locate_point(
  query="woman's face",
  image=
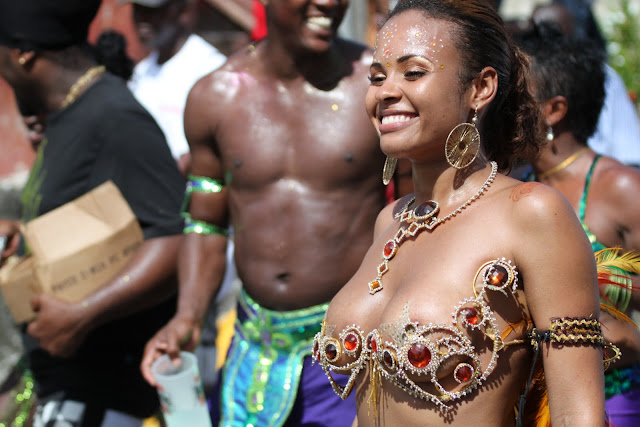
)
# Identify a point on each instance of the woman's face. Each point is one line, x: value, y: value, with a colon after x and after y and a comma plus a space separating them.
x: 414, y: 99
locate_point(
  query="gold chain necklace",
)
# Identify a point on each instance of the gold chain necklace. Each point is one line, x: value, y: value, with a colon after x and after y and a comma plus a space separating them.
x: 421, y: 217
x: 565, y: 163
x: 81, y: 83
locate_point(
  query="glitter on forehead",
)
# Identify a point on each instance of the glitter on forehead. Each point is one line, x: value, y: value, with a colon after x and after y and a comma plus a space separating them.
x: 417, y: 38
x: 385, y: 36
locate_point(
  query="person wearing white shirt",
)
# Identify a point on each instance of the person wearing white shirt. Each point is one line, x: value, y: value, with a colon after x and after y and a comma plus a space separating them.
x: 178, y: 58
x: 618, y: 132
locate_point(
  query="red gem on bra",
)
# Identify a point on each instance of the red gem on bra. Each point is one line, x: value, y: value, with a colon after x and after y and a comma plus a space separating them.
x: 331, y: 351
x: 351, y: 342
x: 498, y: 276
x: 371, y: 343
x: 470, y: 315
x: 419, y: 355
x: 463, y: 372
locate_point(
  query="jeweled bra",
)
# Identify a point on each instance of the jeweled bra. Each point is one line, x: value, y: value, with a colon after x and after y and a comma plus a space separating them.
x: 420, y: 350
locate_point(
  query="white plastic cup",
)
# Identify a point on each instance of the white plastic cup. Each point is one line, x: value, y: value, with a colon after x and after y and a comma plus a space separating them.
x: 181, y: 392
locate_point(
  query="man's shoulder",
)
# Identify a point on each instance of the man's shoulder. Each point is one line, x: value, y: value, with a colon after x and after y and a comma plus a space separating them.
x: 237, y: 65
x: 355, y: 52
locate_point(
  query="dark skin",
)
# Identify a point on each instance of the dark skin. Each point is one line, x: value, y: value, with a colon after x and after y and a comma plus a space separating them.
x: 41, y: 85
x: 611, y: 212
x: 412, y: 101
x: 285, y: 126
x: 164, y: 28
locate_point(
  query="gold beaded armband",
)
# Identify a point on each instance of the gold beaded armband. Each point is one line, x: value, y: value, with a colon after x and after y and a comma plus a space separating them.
x: 576, y: 331
x: 201, y: 184
x: 570, y: 330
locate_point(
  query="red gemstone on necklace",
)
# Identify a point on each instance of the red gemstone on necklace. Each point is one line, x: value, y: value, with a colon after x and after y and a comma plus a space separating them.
x: 463, y: 372
x: 419, y: 355
x: 331, y: 351
x: 470, y: 315
x: 315, y: 347
x: 350, y: 342
x: 498, y: 276
x: 372, y: 343
x: 389, y: 249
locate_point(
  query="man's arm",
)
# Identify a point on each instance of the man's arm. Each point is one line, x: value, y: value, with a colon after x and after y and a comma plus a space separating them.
x: 149, y: 278
x: 202, y: 258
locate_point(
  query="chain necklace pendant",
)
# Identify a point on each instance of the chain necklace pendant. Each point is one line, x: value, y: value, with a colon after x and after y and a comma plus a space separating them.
x: 419, y: 218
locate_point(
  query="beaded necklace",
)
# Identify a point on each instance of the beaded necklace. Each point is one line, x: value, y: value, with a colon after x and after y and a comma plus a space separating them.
x: 419, y: 218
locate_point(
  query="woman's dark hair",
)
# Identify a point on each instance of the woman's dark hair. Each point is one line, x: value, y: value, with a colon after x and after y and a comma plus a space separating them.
x: 585, y: 25
x: 110, y: 50
x: 511, y: 127
x: 570, y: 67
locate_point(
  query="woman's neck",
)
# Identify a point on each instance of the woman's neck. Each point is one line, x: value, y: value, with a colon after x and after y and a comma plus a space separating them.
x: 559, y: 157
x: 448, y: 186
x: 286, y: 64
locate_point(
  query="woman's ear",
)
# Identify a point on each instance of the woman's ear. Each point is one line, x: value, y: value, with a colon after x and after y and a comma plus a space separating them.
x: 555, y: 109
x: 485, y: 87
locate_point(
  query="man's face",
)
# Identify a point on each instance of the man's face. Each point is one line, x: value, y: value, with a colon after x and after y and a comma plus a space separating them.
x: 313, y: 24
x: 157, y: 26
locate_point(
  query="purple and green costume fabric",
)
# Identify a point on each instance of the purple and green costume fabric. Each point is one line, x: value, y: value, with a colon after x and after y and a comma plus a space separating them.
x: 268, y: 378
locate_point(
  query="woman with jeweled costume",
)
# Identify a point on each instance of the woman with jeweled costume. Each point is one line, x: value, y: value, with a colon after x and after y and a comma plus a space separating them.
x: 475, y: 278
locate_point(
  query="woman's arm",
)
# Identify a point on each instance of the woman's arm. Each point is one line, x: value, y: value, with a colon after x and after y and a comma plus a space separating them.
x: 559, y: 276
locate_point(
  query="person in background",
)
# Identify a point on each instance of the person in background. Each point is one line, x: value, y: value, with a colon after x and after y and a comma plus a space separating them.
x: 287, y: 156
x: 177, y: 59
x: 161, y: 82
x: 618, y: 131
x: 465, y: 287
x: 569, y: 78
x: 84, y: 356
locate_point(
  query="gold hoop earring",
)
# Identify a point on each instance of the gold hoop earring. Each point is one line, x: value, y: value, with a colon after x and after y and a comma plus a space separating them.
x: 463, y: 144
x: 389, y: 169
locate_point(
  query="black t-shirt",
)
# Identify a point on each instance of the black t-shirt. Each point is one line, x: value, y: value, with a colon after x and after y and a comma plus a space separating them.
x: 106, y: 135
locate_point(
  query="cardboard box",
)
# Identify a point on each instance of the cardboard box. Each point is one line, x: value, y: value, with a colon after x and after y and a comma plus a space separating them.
x: 75, y: 249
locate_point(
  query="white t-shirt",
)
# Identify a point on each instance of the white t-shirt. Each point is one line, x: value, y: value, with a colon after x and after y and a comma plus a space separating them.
x: 618, y: 132
x: 163, y: 88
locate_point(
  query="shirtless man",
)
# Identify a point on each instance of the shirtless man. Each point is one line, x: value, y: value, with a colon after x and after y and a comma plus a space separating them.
x: 282, y: 127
